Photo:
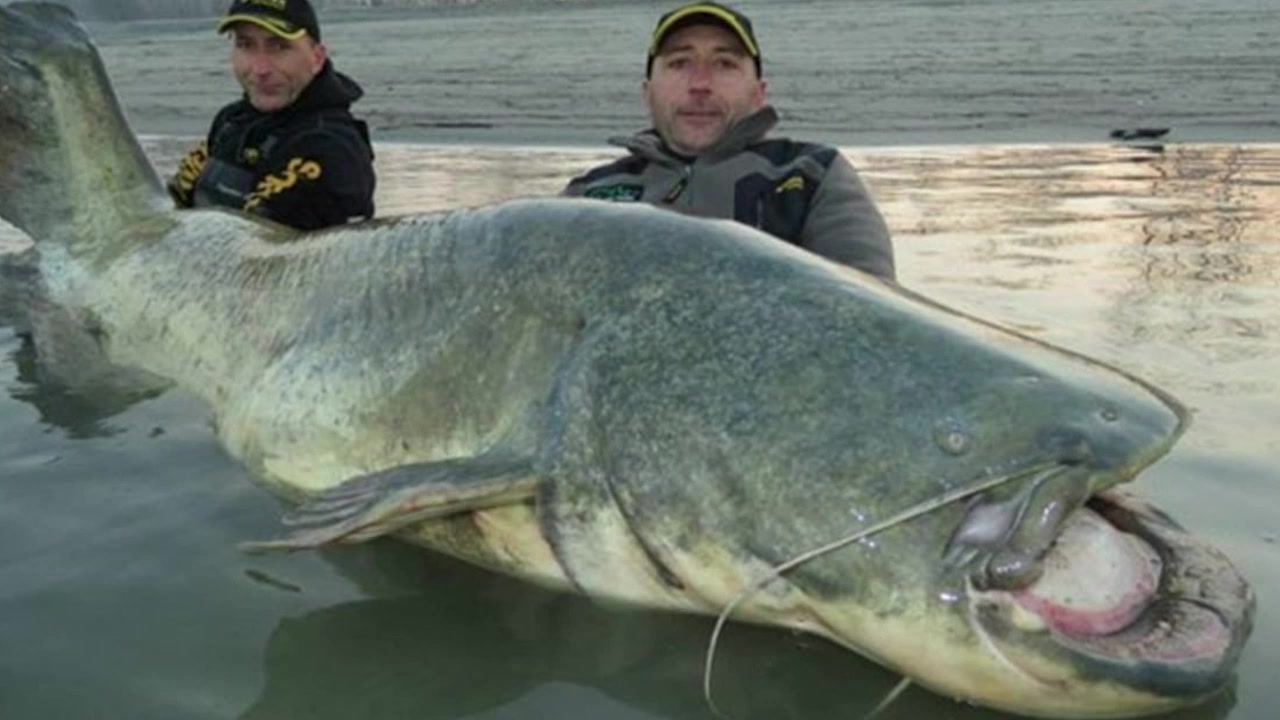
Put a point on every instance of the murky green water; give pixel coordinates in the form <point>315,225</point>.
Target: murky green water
<point>122,594</point>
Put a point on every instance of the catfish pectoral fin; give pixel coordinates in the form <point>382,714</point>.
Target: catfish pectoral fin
<point>369,506</point>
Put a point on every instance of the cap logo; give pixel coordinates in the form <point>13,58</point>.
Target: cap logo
<point>287,19</point>
<point>720,13</point>
<point>795,182</point>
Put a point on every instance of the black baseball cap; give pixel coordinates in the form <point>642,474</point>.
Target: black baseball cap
<point>289,19</point>
<point>703,13</point>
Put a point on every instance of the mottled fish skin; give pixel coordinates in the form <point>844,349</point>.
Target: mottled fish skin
<point>617,400</point>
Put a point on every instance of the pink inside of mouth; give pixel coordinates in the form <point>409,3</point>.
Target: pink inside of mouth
<point>1097,580</point>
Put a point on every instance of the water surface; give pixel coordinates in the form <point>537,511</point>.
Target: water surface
<point>882,72</point>
<point>123,595</point>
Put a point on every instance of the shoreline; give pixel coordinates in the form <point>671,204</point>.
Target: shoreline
<point>527,139</point>
<point>518,143</point>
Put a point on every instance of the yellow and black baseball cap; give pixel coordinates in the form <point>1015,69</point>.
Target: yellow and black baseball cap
<point>704,13</point>
<point>289,19</point>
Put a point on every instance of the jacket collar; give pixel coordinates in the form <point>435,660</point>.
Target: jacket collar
<point>751,129</point>
<point>329,89</point>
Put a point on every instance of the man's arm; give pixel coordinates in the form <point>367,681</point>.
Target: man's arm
<point>322,178</point>
<point>844,224</point>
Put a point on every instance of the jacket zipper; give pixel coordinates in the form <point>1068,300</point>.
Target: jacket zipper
<point>679,187</point>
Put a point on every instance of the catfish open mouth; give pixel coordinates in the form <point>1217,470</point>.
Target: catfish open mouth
<point>1126,591</point>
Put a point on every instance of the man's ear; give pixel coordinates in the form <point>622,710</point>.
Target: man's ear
<point>644,94</point>
<point>319,55</point>
<point>762,94</point>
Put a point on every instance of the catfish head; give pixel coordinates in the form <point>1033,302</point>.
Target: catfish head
<point>941,493</point>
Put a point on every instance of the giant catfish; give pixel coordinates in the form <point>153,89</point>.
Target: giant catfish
<point>638,406</point>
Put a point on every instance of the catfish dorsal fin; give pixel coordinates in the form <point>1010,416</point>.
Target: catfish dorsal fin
<point>369,506</point>
<point>71,171</point>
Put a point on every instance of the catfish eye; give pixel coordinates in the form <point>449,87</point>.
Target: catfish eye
<point>952,437</point>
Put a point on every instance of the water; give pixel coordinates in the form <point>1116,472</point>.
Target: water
<point>124,595</point>
<point>883,72</point>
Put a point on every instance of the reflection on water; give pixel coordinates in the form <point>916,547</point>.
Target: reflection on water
<point>1165,263</point>
<point>502,649</point>
<point>123,594</point>
<point>80,412</point>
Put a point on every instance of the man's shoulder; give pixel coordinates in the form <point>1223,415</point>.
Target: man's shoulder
<point>783,151</point>
<point>330,131</point>
<point>228,113</point>
<point>288,122</point>
<point>626,166</point>
<point>330,119</point>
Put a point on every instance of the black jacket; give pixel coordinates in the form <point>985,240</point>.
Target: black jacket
<point>309,165</point>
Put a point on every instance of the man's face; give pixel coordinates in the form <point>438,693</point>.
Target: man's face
<point>703,82</point>
<point>273,71</point>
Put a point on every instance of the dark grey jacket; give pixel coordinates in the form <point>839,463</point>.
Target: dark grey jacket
<point>804,193</point>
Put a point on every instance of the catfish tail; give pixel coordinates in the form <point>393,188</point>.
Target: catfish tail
<point>71,171</point>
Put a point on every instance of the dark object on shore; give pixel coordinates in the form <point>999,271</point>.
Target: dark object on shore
<point>1139,133</point>
<point>1140,138</point>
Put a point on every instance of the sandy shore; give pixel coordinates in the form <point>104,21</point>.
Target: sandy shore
<point>876,72</point>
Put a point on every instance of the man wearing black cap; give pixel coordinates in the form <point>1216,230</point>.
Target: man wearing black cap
<point>289,150</point>
<point>707,154</point>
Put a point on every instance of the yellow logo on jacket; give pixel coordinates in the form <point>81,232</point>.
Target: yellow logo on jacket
<point>273,185</point>
<point>795,182</point>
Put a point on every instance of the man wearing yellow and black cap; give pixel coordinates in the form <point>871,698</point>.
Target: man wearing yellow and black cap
<point>707,153</point>
<point>290,149</point>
